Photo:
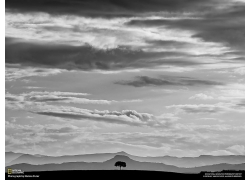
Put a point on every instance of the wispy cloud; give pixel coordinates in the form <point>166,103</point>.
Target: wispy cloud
<point>55,93</point>
<point>127,117</point>
<point>201,96</point>
<point>206,108</point>
<point>141,81</point>
<point>13,73</point>
<point>231,30</point>
<point>36,97</point>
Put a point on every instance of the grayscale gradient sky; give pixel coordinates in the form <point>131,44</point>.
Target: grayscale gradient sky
<point>149,77</point>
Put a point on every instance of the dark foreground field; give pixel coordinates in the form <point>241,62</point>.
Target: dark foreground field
<point>123,174</point>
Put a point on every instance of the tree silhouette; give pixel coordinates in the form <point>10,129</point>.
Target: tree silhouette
<point>120,164</point>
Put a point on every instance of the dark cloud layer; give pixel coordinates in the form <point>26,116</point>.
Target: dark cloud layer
<point>109,8</point>
<point>141,81</point>
<point>226,27</point>
<point>210,23</point>
<point>87,57</point>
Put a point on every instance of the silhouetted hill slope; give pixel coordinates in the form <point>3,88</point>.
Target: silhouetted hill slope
<point>168,160</point>
<point>131,165</point>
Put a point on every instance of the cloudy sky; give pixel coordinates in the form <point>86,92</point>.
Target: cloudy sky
<point>149,77</point>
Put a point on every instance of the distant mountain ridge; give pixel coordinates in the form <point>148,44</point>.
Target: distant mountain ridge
<point>130,165</point>
<point>203,160</point>
<point>10,156</point>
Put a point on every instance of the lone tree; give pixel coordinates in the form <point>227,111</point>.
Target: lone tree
<point>120,164</point>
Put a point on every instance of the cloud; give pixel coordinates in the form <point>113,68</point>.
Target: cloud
<point>11,97</point>
<point>53,98</point>
<point>237,149</point>
<point>189,138</point>
<point>214,128</point>
<point>220,153</point>
<point>108,9</point>
<point>156,139</point>
<point>32,87</point>
<point>33,99</point>
<point>56,93</point>
<point>141,81</point>
<point>23,136</point>
<point>240,71</point>
<point>206,108</point>
<point>38,97</point>
<point>201,96</point>
<point>63,99</point>
<point>25,101</point>
<point>14,141</point>
<point>37,103</point>
<point>236,70</point>
<point>57,96</point>
<point>12,73</point>
<point>84,43</point>
<point>232,150</point>
<point>158,34</point>
<point>241,103</point>
<point>146,81</point>
<point>81,43</point>
<point>83,57</point>
<point>186,137</point>
<point>38,128</point>
<point>234,93</point>
<point>53,57</point>
<point>226,26</point>
<point>127,117</point>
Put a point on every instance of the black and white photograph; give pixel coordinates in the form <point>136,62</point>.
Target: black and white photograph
<point>135,89</point>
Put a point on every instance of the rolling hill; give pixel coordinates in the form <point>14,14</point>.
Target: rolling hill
<point>131,165</point>
<point>186,162</point>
